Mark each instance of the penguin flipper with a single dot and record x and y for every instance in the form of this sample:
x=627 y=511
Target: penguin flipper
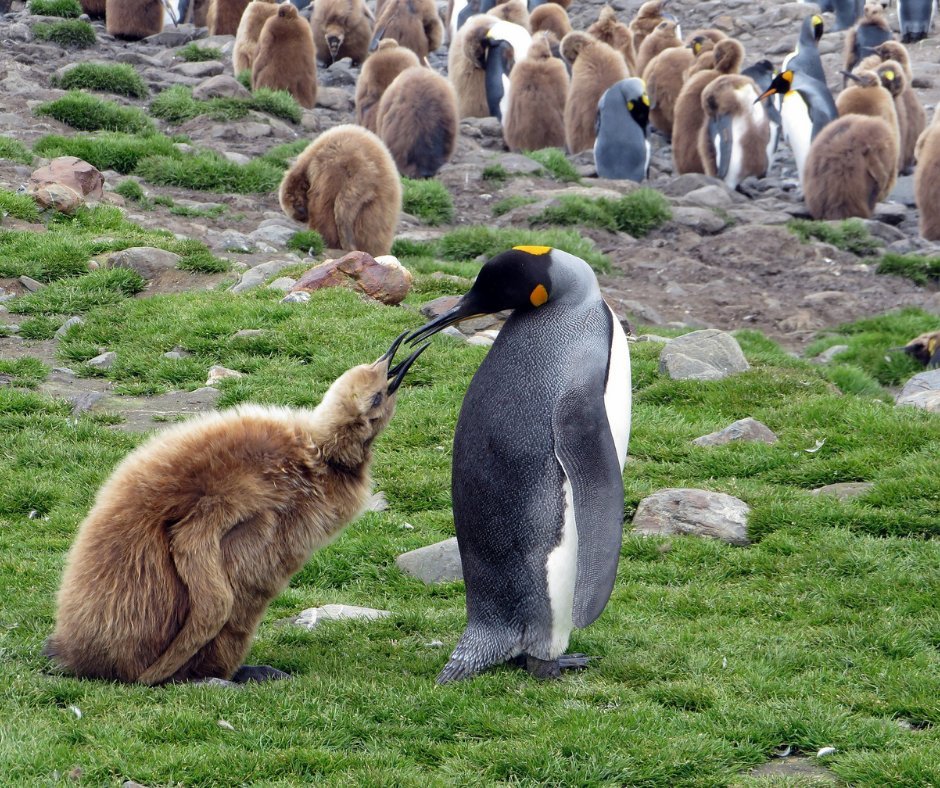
x=588 y=456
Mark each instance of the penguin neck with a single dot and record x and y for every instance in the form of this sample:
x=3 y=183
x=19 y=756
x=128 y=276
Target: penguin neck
x=574 y=286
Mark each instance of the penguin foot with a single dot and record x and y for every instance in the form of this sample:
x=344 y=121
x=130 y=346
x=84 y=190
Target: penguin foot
x=552 y=668
x=248 y=673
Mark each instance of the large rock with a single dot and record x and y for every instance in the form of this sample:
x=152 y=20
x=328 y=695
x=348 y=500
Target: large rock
x=745 y=430
x=844 y=491
x=686 y=512
x=220 y=86
x=383 y=278
x=436 y=563
x=147 y=261
x=708 y=354
x=255 y=277
x=922 y=381
x=65 y=183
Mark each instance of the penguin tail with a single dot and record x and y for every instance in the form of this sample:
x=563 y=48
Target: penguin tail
x=478 y=649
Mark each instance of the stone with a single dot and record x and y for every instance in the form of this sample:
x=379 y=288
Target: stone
x=844 y=490
x=708 y=354
x=147 y=261
x=890 y=212
x=84 y=402
x=217 y=373
x=274 y=234
x=220 y=86
x=255 y=277
x=63 y=329
x=436 y=563
x=57 y=197
x=334 y=98
x=689 y=512
x=517 y=164
x=711 y=196
x=793 y=770
x=174 y=36
x=383 y=278
x=103 y=361
x=30 y=284
x=701 y=220
x=744 y=430
x=922 y=381
x=313 y=616
x=283 y=283
x=205 y=68
x=437 y=307
x=71 y=172
x=926 y=400
x=299 y=297
x=829 y=354
x=233 y=241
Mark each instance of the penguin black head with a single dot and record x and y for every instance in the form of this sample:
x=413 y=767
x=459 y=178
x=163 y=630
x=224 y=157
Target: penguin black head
x=782 y=83
x=632 y=92
x=523 y=279
x=817 y=27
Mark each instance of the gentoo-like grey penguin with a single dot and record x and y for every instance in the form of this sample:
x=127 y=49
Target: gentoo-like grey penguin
x=805 y=58
x=914 y=17
x=621 y=149
x=538 y=460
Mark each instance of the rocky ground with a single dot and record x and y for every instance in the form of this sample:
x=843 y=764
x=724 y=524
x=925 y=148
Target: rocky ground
x=726 y=258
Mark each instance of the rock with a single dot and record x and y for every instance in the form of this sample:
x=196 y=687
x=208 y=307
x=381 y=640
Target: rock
x=688 y=512
x=383 y=278
x=218 y=373
x=922 y=381
x=926 y=400
x=220 y=86
x=174 y=36
x=249 y=333
x=436 y=563
x=517 y=164
x=708 y=354
x=147 y=261
x=844 y=490
x=283 y=283
x=205 y=68
x=890 y=212
x=793 y=770
x=300 y=297
x=84 y=402
x=684 y=184
x=74 y=174
x=57 y=197
x=701 y=220
x=335 y=99
x=274 y=234
x=103 y=361
x=63 y=329
x=313 y=616
x=745 y=430
x=233 y=241
x=437 y=307
x=711 y=196
x=829 y=354
x=30 y=284
x=254 y=277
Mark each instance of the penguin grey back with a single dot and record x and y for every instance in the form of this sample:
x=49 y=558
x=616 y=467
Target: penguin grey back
x=621 y=149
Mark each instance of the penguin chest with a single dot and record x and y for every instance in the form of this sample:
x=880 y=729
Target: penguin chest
x=617 y=391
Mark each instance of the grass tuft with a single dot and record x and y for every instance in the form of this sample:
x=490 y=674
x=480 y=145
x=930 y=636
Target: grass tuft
x=80 y=294
x=131 y=190
x=109 y=150
x=14 y=150
x=850 y=235
x=278 y=103
x=118 y=78
x=495 y=172
x=193 y=53
x=40 y=327
x=556 y=164
x=429 y=200
x=636 y=213
x=511 y=203
x=917 y=268
x=19 y=206
x=195 y=256
x=209 y=171
x=177 y=105
x=89 y=113
x=307 y=241
x=244 y=76
x=68 y=33
x=67 y=9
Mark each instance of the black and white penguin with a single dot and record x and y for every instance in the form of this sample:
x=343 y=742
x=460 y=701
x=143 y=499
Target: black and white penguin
x=506 y=44
x=762 y=72
x=805 y=58
x=538 y=460
x=622 y=147
x=463 y=10
x=915 y=17
x=871 y=31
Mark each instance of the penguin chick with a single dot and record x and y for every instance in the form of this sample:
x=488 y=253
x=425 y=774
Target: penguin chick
x=805 y=58
x=380 y=68
x=871 y=31
x=285 y=58
x=417 y=121
x=224 y=16
x=867 y=96
x=647 y=17
x=925 y=349
x=927 y=180
x=552 y=18
x=615 y=33
x=914 y=18
x=895 y=50
x=734 y=139
x=622 y=149
x=538 y=88
x=198 y=529
x=689 y=115
x=514 y=11
x=595 y=66
x=538 y=456
x=345 y=185
x=257 y=12
x=414 y=24
x=94 y=8
x=133 y=19
x=851 y=165
x=665 y=35
x=341 y=28
x=912 y=119
x=665 y=74
x=702 y=43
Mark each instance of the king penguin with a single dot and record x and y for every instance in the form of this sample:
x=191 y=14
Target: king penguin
x=914 y=17
x=538 y=461
x=805 y=58
x=622 y=147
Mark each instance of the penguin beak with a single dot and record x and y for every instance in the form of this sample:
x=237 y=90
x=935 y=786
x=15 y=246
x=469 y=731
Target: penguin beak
x=850 y=75
x=462 y=311
x=397 y=373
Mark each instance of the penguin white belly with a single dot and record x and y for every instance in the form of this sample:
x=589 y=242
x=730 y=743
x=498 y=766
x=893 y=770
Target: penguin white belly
x=504 y=103
x=561 y=572
x=797 y=128
x=649 y=154
x=459 y=5
x=618 y=394
x=739 y=127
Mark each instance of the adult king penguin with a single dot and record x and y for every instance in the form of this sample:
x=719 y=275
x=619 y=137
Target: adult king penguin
x=622 y=147
x=538 y=460
x=914 y=17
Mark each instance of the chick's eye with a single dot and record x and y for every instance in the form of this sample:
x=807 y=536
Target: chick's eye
x=377 y=399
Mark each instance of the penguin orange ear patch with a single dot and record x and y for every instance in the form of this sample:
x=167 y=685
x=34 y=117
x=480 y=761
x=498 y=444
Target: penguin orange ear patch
x=538 y=250
x=538 y=296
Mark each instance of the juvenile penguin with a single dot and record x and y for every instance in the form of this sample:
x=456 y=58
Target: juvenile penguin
x=912 y=119
x=133 y=19
x=257 y=12
x=665 y=36
x=665 y=75
x=459 y=13
x=871 y=31
x=515 y=11
x=94 y=8
x=417 y=120
x=927 y=180
x=851 y=165
x=198 y=529
x=538 y=87
x=414 y=24
x=345 y=185
x=595 y=66
x=867 y=96
x=611 y=31
x=285 y=58
x=622 y=147
x=924 y=349
x=224 y=16
x=805 y=58
x=341 y=28
x=915 y=17
x=537 y=463
x=552 y=18
x=647 y=17
x=734 y=141
x=378 y=72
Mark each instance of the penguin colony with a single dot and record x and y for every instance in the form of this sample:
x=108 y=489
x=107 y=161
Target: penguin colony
x=197 y=530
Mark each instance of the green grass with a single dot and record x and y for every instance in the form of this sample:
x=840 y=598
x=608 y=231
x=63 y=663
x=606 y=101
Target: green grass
x=193 y=53
x=556 y=164
x=708 y=658
x=196 y=257
x=67 y=9
x=428 y=200
x=19 y=206
x=131 y=190
x=209 y=171
x=118 y=78
x=177 y=105
x=636 y=213
x=511 y=203
x=307 y=241
x=40 y=327
x=849 y=235
x=917 y=268
x=108 y=150
x=244 y=76
x=495 y=172
x=68 y=33
x=89 y=113
x=14 y=150
x=79 y=294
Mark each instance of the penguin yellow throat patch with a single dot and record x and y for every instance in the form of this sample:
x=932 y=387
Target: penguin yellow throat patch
x=538 y=296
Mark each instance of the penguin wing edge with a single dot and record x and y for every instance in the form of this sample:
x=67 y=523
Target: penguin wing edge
x=588 y=456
